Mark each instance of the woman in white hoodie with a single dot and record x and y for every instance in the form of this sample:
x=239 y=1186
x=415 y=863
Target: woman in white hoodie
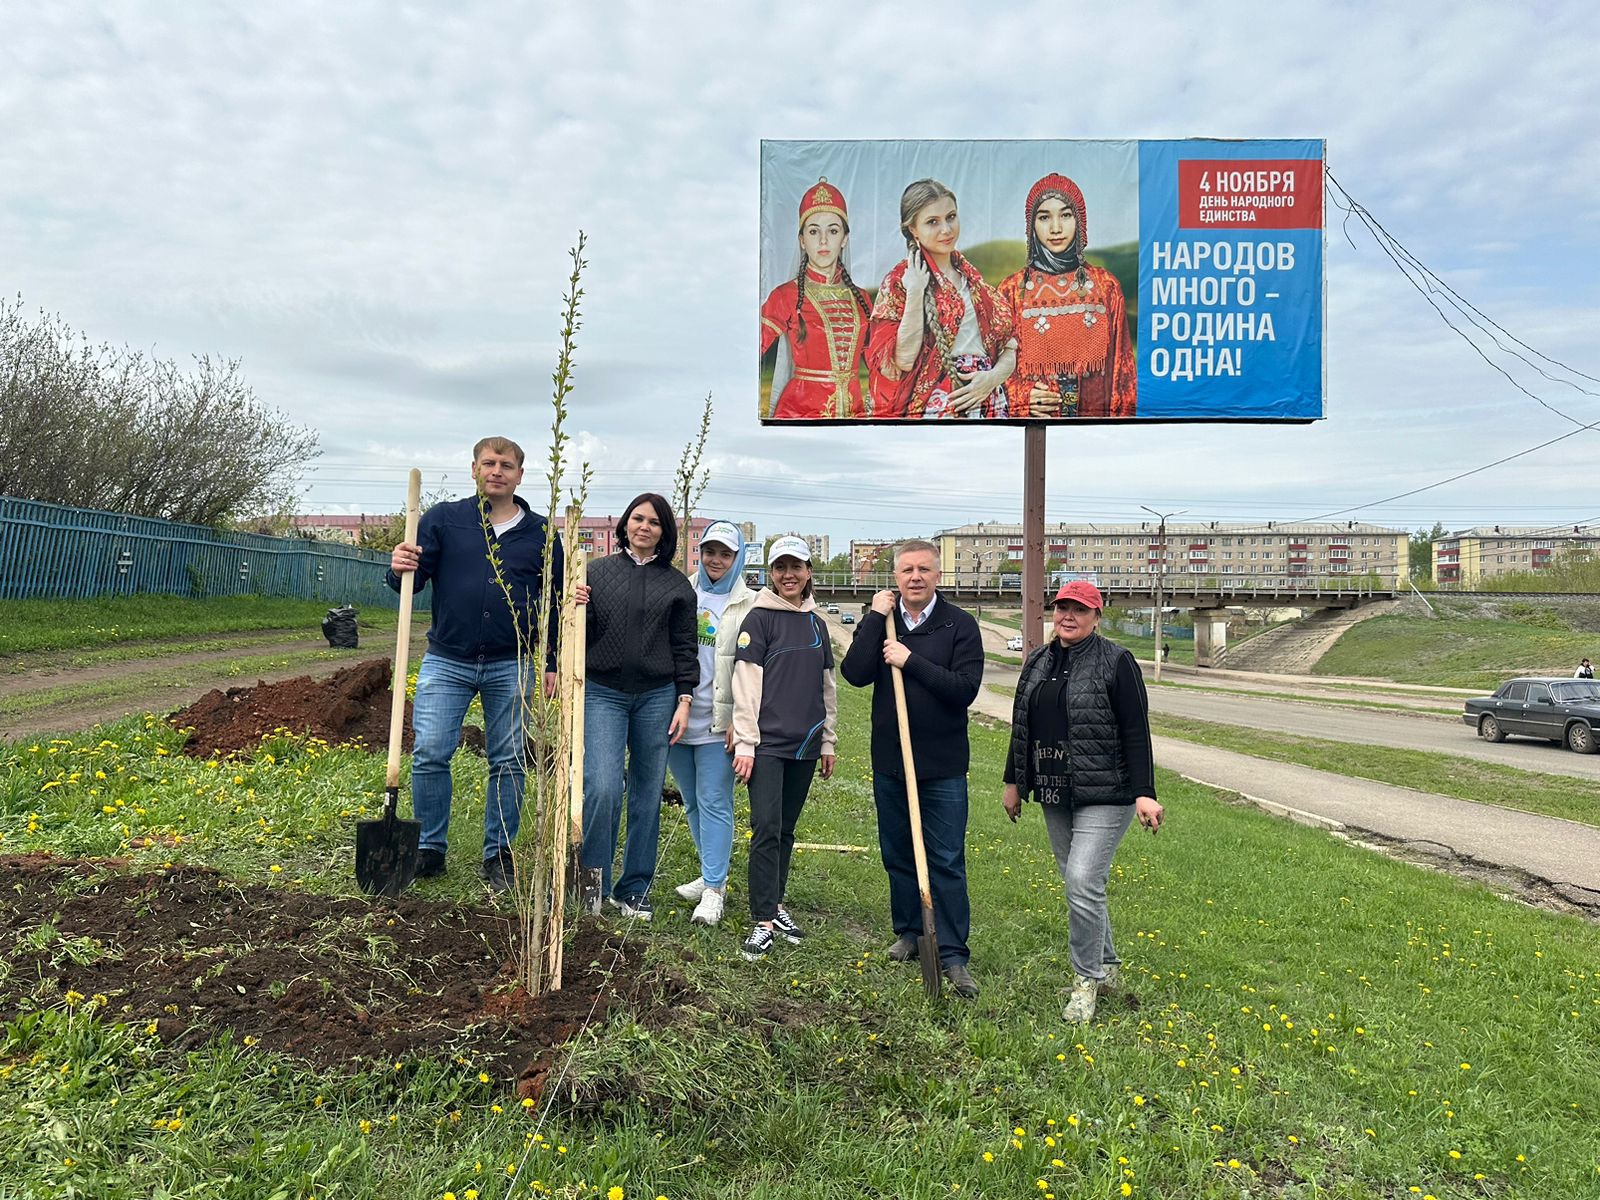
x=785 y=712
x=699 y=760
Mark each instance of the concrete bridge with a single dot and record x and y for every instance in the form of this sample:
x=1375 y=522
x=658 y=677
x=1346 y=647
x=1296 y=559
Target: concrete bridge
x=1207 y=596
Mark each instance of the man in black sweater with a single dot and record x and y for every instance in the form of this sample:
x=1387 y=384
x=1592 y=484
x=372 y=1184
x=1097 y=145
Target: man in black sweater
x=940 y=656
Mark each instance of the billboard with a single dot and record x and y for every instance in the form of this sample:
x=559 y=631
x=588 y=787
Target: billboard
x=1059 y=281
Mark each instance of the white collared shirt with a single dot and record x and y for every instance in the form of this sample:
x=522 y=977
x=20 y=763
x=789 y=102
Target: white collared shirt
x=640 y=562
x=912 y=622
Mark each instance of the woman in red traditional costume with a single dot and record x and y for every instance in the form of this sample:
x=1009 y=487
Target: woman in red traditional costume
x=1074 y=356
x=942 y=341
x=822 y=316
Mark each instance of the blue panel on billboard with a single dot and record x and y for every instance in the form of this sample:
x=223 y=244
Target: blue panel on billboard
x=1062 y=281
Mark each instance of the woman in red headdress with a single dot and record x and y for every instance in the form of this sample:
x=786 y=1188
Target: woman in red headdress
x=1074 y=356
x=822 y=317
x=942 y=341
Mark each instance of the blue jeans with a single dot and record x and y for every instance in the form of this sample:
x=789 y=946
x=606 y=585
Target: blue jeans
x=624 y=743
x=705 y=777
x=445 y=689
x=1084 y=841
x=944 y=839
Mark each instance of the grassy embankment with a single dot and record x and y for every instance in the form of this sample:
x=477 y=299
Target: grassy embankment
x=1313 y=1020
x=1454 y=651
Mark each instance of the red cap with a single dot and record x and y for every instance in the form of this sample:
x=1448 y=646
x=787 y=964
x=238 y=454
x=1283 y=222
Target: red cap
x=1060 y=185
x=1084 y=592
x=824 y=197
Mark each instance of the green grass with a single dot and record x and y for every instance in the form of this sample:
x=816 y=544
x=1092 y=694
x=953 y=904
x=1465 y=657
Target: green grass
x=1445 y=774
x=1304 y=698
x=1454 y=651
x=1313 y=1021
x=28 y=626
x=1003 y=660
x=138 y=684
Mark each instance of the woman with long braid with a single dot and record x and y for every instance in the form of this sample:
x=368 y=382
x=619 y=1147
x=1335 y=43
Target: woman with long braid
x=942 y=341
x=822 y=316
x=1075 y=358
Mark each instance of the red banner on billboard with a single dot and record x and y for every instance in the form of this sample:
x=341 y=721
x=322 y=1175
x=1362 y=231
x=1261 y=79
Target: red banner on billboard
x=1250 y=194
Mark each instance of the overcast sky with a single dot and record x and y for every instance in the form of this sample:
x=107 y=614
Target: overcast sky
x=371 y=205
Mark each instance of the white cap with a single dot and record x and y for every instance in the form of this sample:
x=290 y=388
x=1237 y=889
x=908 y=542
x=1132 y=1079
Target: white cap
x=788 y=546
x=724 y=533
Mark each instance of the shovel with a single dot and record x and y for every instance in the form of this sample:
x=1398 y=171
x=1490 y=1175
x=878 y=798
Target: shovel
x=928 y=942
x=386 y=849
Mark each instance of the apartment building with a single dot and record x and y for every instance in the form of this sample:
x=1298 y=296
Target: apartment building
x=974 y=555
x=597 y=537
x=339 y=527
x=1469 y=556
x=817 y=543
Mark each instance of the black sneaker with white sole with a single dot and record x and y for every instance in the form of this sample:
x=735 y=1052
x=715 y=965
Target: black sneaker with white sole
x=757 y=942
x=639 y=908
x=783 y=925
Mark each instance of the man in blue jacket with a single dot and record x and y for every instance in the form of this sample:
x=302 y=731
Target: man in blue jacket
x=473 y=648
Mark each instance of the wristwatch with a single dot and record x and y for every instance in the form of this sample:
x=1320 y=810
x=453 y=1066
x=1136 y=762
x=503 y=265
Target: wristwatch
x=686 y=699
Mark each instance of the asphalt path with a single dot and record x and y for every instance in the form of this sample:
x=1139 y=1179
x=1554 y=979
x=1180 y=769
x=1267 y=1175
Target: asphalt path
x=1399 y=730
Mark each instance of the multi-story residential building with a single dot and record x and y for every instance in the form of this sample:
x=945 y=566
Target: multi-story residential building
x=339 y=527
x=866 y=556
x=1469 y=556
x=597 y=537
x=974 y=555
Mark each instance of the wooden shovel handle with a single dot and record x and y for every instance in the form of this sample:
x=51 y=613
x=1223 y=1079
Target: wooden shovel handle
x=402 y=637
x=913 y=801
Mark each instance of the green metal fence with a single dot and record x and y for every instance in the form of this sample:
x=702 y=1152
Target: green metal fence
x=50 y=550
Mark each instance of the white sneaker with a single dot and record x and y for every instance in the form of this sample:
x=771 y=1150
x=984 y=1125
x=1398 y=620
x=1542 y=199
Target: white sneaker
x=709 y=910
x=1080 y=1009
x=692 y=891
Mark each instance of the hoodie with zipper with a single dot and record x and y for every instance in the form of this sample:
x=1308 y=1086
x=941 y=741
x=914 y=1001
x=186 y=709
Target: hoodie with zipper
x=785 y=700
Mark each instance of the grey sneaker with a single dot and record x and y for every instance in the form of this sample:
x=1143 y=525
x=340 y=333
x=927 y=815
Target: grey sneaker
x=757 y=942
x=961 y=980
x=904 y=948
x=498 y=872
x=784 y=926
x=1113 y=980
x=1080 y=1008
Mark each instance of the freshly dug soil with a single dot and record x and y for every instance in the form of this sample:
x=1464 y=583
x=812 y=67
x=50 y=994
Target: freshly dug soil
x=350 y=706
x=341 y=983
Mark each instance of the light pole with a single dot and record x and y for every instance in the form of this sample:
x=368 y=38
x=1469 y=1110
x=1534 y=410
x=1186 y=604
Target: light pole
x=1161 y=574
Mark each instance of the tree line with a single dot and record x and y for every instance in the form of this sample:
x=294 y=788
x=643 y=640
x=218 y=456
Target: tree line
x=110 y=427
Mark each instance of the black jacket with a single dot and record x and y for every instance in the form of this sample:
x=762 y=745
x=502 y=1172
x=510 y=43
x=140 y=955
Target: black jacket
x=1099 y=731
x=641 y=626
x=472 y=621
x=942 y=678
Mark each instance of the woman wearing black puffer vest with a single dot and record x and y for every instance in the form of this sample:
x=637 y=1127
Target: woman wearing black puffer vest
x=1080 y=746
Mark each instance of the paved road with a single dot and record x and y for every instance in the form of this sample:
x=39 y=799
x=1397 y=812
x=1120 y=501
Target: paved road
x=1401 y=730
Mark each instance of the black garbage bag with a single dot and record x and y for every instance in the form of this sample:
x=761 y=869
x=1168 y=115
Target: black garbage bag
x=339 y=627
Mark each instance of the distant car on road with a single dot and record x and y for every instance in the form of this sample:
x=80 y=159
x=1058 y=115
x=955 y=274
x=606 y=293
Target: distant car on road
x=848 y=619
x=1566 y=711
x=1014 y=643
x=833 y=610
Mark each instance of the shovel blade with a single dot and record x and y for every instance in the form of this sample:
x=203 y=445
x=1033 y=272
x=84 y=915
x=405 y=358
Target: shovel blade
x=928 y=954
x=386 y=855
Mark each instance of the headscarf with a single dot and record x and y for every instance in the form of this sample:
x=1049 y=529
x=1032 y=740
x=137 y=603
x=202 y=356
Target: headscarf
x=723 y=586
x=1040 y=258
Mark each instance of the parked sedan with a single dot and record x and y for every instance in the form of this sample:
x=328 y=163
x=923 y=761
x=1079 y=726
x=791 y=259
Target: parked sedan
x=1559 y=710
x=1014 y=643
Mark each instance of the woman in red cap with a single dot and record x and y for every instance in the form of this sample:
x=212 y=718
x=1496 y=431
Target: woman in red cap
x=1074 y=356
x=822 y=317
x=942 y=341
x=1080 y=746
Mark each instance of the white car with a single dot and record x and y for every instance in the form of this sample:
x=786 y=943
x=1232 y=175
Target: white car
x=833 y=610
x=1014 y=643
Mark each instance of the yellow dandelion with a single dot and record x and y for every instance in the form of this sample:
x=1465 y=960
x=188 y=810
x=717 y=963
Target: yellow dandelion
x=615 y=1193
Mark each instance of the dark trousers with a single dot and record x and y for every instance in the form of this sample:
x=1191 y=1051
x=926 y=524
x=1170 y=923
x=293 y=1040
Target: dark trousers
x=778 y=788
x=944 y=839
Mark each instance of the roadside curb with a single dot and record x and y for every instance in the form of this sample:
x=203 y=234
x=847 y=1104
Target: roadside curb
x=1298 y=815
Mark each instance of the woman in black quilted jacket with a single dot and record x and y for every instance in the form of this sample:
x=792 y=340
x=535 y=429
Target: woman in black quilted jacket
x=1080 y=746
x=643 y=667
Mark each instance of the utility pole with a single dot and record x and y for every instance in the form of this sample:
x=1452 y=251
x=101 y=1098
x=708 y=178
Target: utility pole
x=1161 y=575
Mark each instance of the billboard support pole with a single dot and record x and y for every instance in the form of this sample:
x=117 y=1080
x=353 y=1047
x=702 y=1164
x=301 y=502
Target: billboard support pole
x=1033 y=544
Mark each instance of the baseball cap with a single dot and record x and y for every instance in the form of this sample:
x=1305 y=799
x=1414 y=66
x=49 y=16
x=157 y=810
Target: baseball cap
x=1081 y=590
x=788 y=546
x=724 y=533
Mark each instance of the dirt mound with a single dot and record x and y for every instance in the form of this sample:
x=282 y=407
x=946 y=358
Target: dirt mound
x=342 y=983
x=349 y=706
